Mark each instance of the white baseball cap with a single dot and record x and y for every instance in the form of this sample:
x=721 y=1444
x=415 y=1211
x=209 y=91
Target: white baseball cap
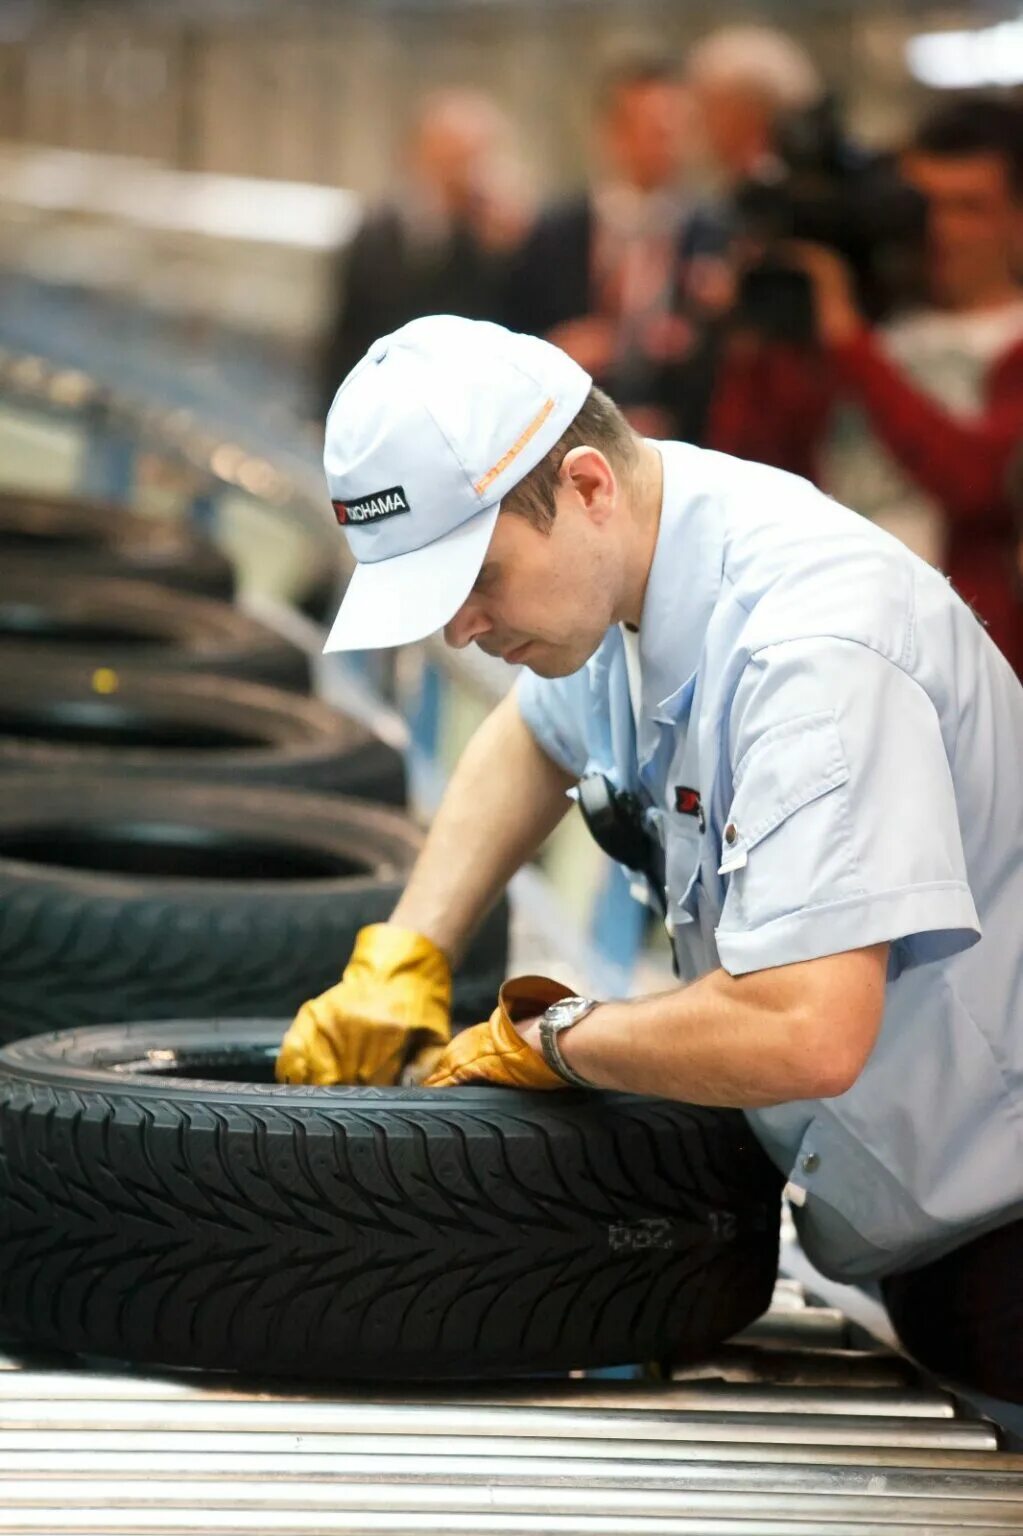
x=426 y=434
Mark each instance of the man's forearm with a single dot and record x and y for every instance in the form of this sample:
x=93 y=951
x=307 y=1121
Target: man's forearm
x=801 y=1031
x=504 y=798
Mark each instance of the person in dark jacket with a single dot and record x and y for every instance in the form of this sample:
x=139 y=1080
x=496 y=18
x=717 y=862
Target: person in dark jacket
x=617 y=275
x=443 y=244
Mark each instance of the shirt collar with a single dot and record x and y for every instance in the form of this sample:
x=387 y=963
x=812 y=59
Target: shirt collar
x=627 y=212
x=683 y=586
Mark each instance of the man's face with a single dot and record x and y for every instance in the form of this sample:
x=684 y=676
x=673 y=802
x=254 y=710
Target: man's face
x=646 y=131
x=735 y=123
x=545 y=599
x=973 y=226
x=455 y=142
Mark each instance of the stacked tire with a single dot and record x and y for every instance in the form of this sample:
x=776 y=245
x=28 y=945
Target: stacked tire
x=165 y=847
x=134 y=725
x=152 y=898
x=188 y=845
x=113 y=626
x=90 y=538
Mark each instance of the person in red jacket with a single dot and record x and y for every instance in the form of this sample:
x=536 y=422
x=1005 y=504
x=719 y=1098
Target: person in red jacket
x=917 y=423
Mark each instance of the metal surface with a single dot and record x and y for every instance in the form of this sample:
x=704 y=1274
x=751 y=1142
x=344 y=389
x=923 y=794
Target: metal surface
x=126 y=1522
x=788 y=1366
x=180 y=1455
x=484 y=1493
x=792 y=1430
x=809 y=1327
x=78 y=1476
x=761 y=1441
x=736 y=1398
x=313 y=1418
x=742 y=1398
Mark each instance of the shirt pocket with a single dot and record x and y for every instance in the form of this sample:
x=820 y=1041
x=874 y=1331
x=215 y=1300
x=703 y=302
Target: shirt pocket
x=787 y=840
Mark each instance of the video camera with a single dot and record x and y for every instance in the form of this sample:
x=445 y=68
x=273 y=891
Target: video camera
x=833 y=193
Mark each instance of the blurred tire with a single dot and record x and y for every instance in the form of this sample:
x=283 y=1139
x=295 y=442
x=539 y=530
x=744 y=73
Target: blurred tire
x=213 y=729
x=75 y=537
x=102 y=624
x=320 y=599
x=161 y=1202
x=124 y=899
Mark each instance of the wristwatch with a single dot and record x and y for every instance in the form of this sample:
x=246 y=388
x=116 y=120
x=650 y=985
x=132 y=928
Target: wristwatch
x=557 y=1018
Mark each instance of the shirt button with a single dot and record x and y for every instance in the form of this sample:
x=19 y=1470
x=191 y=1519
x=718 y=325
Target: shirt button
x=730 y=833
x=811 y=1162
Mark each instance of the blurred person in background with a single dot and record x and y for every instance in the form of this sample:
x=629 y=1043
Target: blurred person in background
x=916 y=421
x=745 y=81
x=617 y=275
x=442 y=244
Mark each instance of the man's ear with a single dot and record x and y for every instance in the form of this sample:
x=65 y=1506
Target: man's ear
x=587 y=472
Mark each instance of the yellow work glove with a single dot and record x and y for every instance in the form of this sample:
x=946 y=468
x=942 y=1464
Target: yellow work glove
x=393 y=999
x=495 y=1052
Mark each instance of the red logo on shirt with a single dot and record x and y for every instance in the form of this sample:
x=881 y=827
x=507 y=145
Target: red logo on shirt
x=688 y=803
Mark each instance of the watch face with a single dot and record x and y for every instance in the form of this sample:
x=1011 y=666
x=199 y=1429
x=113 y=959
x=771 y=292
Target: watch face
x=567 y=1010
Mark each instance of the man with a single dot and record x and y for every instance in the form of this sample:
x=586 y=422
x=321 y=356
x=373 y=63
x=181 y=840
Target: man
x=746 y=79
x=915 y=423
x=615 y=276
x=441 y=246
x=826 y=745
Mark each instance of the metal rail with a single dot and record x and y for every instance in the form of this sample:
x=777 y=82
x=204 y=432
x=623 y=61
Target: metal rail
x=777 y=1441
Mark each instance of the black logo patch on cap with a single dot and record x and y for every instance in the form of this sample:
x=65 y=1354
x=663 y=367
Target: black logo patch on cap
x=372 y=509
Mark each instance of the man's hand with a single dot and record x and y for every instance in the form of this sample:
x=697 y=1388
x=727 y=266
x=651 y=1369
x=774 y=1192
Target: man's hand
x=394 y=998
x=495 y=1052
x=838 y=318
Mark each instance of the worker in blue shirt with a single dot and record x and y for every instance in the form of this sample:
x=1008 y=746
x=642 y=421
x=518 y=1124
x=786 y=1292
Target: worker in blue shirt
x=824 y=748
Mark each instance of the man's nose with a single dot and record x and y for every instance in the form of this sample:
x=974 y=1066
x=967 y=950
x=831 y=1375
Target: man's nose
x=467 y=625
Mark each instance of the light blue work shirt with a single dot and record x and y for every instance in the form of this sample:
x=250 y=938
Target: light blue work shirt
x=830 y=748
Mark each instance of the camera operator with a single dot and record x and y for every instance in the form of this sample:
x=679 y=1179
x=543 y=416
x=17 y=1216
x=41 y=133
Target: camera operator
x=916 y=419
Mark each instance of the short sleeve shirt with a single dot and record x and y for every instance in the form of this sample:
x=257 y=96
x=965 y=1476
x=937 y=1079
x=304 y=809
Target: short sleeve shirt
x=829 y=748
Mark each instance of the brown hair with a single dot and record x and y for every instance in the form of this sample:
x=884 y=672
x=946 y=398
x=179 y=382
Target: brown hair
x=975 y=125
x=631 y=71
x=598 y=424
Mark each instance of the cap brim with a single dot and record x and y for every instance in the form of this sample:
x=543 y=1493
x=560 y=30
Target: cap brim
x=406 y=598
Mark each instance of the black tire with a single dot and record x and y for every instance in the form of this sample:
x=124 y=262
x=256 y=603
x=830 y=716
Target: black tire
x=90 y=538
x=320 y=598
x=156 y=899
x=138 y=626
x=363 y=1233
x=205 y=728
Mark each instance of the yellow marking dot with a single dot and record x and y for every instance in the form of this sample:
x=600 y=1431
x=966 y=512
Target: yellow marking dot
x=105 y=680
